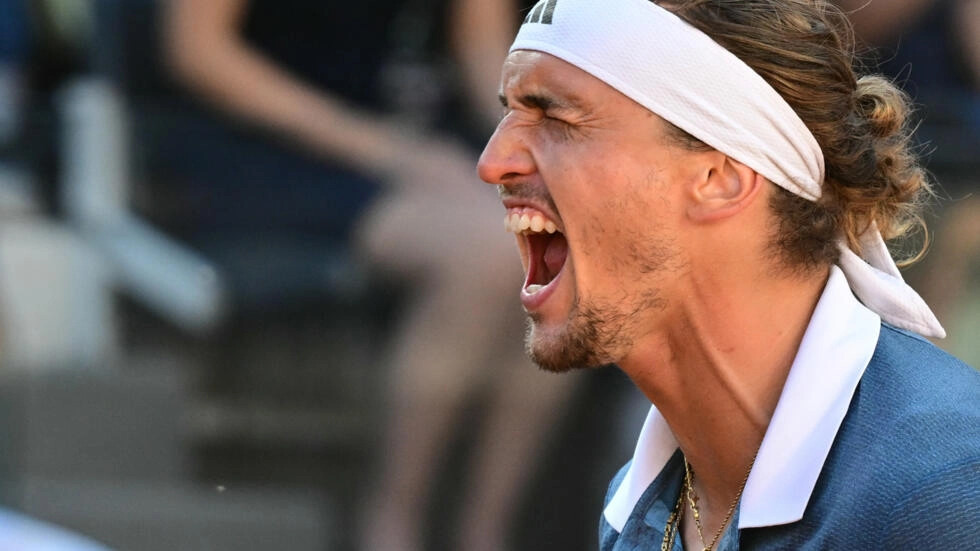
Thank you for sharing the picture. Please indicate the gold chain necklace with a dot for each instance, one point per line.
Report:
(673, 523)
(687, 490)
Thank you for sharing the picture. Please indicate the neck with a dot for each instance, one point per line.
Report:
(716, 367)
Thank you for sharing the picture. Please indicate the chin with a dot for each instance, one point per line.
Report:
(558, 351)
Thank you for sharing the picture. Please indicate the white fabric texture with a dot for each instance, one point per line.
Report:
(676, 71)
(811, 408)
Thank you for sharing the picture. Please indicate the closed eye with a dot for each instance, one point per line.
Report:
(562, 127)
(549, 109)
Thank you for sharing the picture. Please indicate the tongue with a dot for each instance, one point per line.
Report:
(555, 253)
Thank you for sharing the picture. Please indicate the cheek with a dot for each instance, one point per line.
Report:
(627, 231)
(616, 209)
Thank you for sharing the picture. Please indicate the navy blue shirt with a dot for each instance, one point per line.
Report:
(903, 472)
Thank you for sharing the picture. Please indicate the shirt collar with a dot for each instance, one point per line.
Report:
(808, 415)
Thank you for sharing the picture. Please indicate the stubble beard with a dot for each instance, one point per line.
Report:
(601, 332)
(594, 336)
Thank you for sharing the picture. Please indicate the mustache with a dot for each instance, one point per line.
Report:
(527, 191)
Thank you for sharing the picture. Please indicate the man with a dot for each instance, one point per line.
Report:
(709, 213)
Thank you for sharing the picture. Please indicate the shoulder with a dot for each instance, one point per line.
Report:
(906, 455)
(929, 438)
(914, 398)
(909, 375)
(940, 510)
(898, 346)
(912, 432)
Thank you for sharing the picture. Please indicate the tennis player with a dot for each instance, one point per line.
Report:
(702, 192)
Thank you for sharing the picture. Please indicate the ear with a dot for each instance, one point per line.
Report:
(724, 188)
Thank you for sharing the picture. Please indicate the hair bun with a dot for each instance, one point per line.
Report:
(805, 50)
(882, 105)
(894, 196)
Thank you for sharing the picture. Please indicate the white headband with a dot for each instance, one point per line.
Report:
(681, 74)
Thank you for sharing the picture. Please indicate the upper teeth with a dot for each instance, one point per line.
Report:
(522, 222)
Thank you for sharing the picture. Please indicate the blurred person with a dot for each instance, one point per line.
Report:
(309, 72)
(721, 184)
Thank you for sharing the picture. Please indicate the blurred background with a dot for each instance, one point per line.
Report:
(252, 295)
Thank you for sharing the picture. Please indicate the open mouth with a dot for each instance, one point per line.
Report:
(543, 246)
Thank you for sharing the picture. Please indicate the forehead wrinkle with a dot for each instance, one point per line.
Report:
(526, 89)
(546, 101)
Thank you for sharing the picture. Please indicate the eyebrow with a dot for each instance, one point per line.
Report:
(543, 102)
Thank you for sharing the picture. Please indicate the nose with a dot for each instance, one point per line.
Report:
(506, 157)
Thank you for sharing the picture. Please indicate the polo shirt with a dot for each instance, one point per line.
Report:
(869, 417)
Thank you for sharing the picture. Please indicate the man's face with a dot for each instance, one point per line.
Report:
(588, 179)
